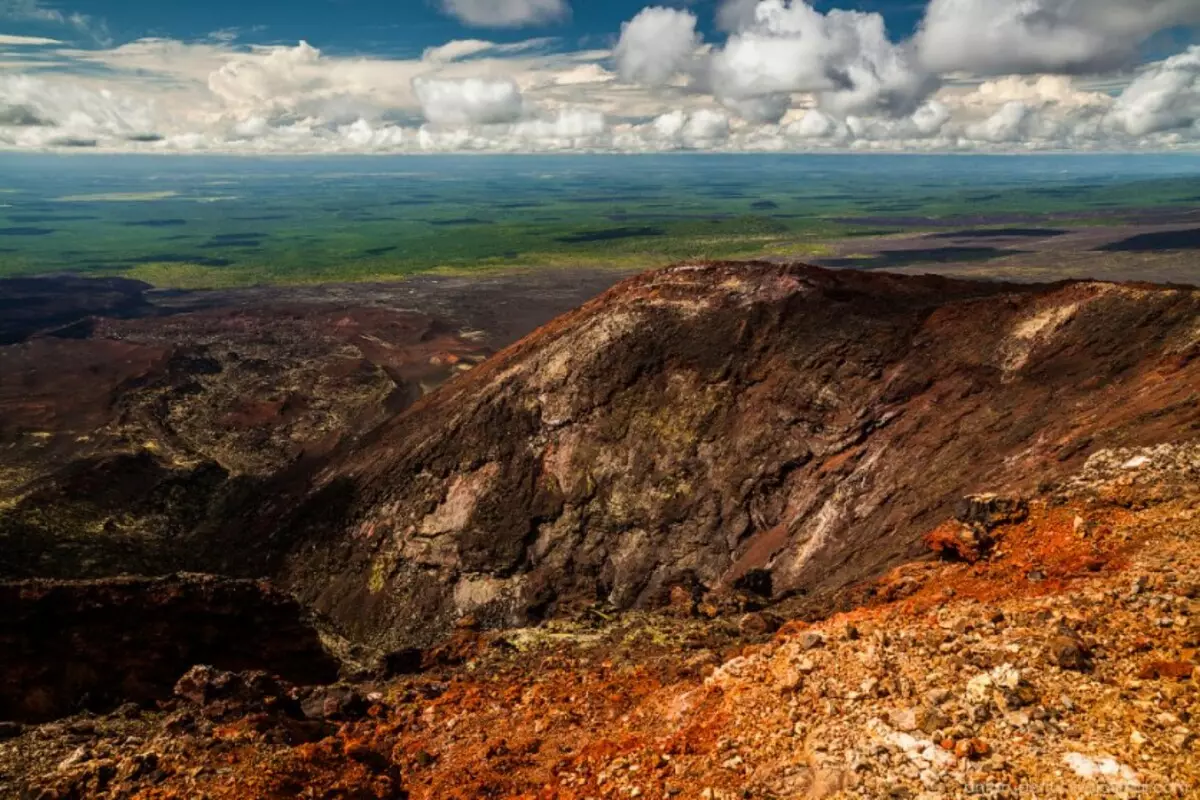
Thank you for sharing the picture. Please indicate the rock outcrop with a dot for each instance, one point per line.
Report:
(699, 424)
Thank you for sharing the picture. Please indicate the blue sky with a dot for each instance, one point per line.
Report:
(599, 75)
(392, 27)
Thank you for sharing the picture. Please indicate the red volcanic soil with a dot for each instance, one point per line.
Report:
(682, 705)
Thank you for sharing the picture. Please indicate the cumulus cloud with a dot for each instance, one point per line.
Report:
(1165, 97)
(21, 116)
(814, 125)
(701, 129)
(1040, 91)
(845, 58)
(506, 13)
(1028, 36)
(468, 101)
(787, 77)
(1006, 125)
(763, 108)
(655, 45)
(40, 113)
(735, 15)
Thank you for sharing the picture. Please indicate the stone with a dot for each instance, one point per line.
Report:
(218, 695)
(681, 602)
(972, 749)
(1166, 670)
(958, 542)
(929, 720)
(334, 703)
(758, 623)
(904, 720)
(79, 755)
(990, 511)
(812, 640)
(787, 678)
(979, 689)
(10, 730)
(1070, 653)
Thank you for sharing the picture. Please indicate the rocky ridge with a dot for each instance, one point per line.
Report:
(704, 426)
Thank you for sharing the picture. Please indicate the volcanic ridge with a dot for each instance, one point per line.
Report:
(727, 530)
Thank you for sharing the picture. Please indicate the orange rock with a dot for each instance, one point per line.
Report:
(972, 749)
(1169, 670)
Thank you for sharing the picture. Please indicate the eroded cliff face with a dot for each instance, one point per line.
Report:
(700, 424)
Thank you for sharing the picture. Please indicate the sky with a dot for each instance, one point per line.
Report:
(412, 76)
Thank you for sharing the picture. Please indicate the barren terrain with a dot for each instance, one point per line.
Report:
(727, 530)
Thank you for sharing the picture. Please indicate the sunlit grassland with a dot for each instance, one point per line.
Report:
(214, 223)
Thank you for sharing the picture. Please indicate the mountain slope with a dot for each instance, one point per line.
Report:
(705, 424)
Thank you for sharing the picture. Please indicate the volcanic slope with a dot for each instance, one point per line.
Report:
(777, 428)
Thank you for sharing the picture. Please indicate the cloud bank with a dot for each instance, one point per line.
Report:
(1000, 75)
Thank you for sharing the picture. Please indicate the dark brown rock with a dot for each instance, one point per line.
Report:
(989, 511)
(758, 623)
(333, 703)
(1069, 652)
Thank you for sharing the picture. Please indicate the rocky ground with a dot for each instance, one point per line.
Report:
(1052, 650)
(726, 531)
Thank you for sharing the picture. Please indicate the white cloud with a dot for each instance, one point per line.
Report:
(769, 108)
(461, 49)
(814, 125)
(655, 45)
(1029, 36)
(468, 101)
(1040, 91)
(506, 13)
(701, 129)
(42, 113)
(845, 58)
(1164, 98)
(35, 11)
(736, 15)
(788, 78)
(1006, 125)
(25, 41)
(457, 49)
